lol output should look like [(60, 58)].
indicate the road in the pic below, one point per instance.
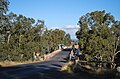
[(43, 70)]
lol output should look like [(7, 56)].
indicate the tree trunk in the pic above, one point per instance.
[(20, 40), (8, 41), (113, 64)]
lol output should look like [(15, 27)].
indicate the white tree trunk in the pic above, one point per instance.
[(8, 41)]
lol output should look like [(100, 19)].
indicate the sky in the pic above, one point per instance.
[(63, 14)]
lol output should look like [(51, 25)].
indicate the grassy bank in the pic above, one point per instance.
[(12, 63), (67, 68), (87, 73)]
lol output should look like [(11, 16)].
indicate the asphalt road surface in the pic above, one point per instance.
[(42, 70)]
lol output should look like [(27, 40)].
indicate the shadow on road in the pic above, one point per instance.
[(41, 70), (67, 49), (34, 72), (8, 68)]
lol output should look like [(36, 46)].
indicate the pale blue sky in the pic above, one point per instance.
[(63, 13)]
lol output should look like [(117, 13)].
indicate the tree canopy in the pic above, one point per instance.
[(99, 35), (20, 36)]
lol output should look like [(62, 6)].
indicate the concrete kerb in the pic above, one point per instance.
[(47, 57), (50, 55)]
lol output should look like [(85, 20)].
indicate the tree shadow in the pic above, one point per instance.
[(84, 73), (8, 68), (67, 49), (35, 72), (42, 70)]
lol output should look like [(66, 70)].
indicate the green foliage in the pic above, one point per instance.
[(3, 6), (21, 36), (98, 35), (67, 40)]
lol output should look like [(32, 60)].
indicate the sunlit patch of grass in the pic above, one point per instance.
[(87, 72), (9, 63), (12, 63), (67, 67)]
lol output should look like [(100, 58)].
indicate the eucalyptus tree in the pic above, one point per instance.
[(116, 41), (52, 38), (20, 36), (67, 39), (57, 37), (3, 9), (95, 35), (4, 6)]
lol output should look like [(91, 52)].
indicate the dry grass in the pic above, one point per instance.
[(67, 67), (87, 73), (11, 63)]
